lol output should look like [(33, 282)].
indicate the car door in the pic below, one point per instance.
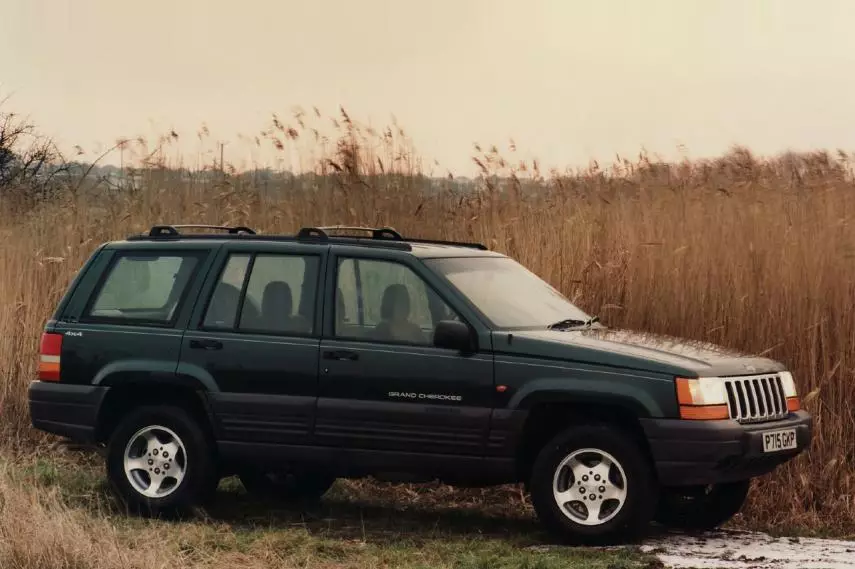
[(255, 338), (383, 384)]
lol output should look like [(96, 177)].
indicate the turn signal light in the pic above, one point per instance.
[(793, 404), (704, 413)]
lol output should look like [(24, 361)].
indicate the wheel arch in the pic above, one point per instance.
[(122, 372), (552, 413), (130, 392)]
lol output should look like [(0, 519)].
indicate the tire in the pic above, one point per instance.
[(702, 507), (182, 471), (625, 493), (290, 487)]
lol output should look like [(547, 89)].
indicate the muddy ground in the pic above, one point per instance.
[(744, 550)]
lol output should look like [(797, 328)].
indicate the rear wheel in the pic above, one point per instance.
[(701, 507), (593, 484), (160, 461), (290, 487)]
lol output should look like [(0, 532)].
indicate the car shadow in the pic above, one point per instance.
[(366, 510), (354, 509), (378, 518), (388, 515)]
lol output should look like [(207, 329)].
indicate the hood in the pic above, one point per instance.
[(635, 350)]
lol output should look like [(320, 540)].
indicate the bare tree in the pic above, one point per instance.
[(29, 162)]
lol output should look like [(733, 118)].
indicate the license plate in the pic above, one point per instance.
[(774, 441)]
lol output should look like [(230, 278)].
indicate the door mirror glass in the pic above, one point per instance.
[(453, 335)]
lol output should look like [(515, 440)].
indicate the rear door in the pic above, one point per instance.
[(384, 386), (255, 338)]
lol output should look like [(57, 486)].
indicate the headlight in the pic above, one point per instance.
[(790, 392), (788, 383), (702, 391), (702, 399)]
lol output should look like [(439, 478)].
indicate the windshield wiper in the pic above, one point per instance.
[(570, 323)]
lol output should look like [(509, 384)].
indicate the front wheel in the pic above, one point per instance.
[(701, 507), (593, 484)]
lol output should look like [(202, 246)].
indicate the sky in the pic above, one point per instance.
[(568, 81)]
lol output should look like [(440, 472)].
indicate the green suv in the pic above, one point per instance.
[(348, 352)]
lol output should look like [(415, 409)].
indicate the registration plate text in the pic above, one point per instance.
[(774, 441)]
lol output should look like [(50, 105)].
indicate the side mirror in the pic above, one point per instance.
[(453, 335)]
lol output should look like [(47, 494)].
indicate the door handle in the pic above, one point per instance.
[(341, 355), (206, 344)]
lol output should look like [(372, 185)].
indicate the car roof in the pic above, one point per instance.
[(382, 239)]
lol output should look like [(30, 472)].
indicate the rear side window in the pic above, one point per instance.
[(222, 310), (144, 287)]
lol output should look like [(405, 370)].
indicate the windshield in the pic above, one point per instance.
[(507, 293)]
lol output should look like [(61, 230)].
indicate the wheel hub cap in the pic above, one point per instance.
[(589, 486), (155, 461)]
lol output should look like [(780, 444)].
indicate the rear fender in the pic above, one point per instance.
[(125, 372)]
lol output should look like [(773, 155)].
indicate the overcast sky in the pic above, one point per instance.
[(567, 80)]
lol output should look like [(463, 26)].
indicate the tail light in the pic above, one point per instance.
[(49, 356)]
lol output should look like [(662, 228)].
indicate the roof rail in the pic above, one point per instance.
[(324, 232), (479, 246), (381, 234), (172, 230), (363, 236)]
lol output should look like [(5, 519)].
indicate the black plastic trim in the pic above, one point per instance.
[(172, 230), (707, 452), (346, 461), (65, 409)]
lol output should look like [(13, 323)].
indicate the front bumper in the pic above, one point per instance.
[(64, 409), (690, 453)]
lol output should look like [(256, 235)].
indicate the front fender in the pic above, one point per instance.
[(532, 381), (591, 391)]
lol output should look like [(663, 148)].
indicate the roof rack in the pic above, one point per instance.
[(343, 234), (379, 234), (479, 246), (172, 230), (348, 230)]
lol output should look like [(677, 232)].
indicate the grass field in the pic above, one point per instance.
[(58, 512), (755, 254)]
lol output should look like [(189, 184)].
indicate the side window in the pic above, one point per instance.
[(144, 287), (348, 307), (222, 309), (386, 301), (279, 296)]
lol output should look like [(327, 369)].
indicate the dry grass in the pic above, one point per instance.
[(754, 254), (58, 514)]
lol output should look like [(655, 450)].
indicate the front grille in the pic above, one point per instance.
[(755, 398)]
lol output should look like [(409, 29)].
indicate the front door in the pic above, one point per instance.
[(256, 338), (383, 384)]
